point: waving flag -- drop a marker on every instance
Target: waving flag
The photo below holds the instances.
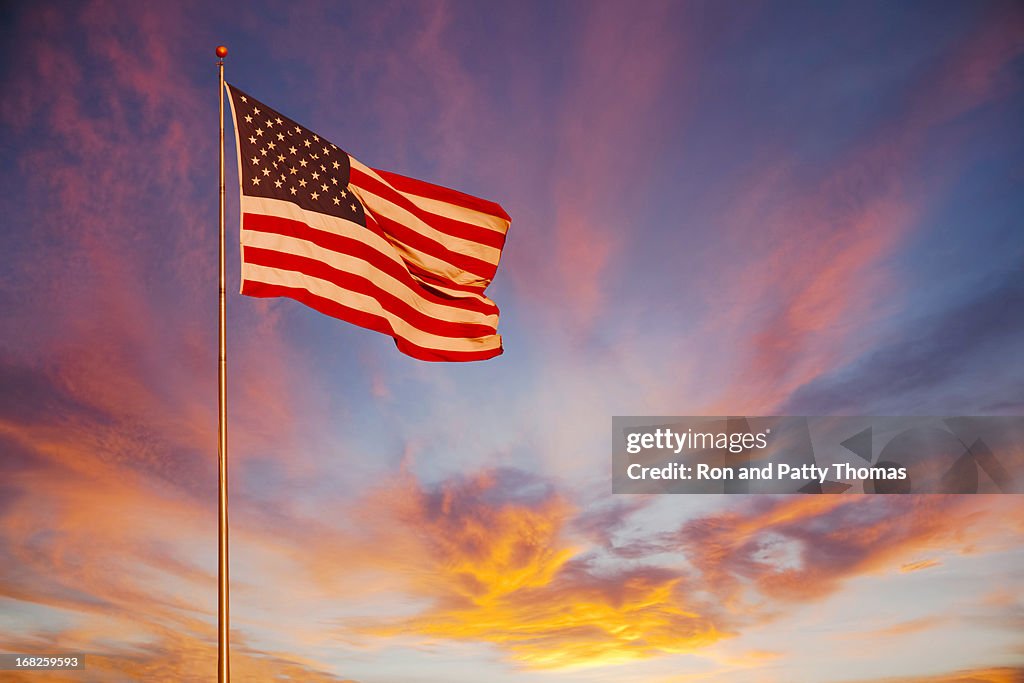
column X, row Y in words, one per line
column 400, row 256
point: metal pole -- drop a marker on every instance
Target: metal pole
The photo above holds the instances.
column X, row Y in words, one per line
column 223, row 620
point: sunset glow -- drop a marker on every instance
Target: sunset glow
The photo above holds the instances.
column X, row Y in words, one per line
column 718, row 208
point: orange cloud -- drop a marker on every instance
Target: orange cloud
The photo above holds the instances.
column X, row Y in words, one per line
column 913, row 626
column 171, row 656
column 499, row 568
column 988, row 675
column 100, row 542
column 919, row 565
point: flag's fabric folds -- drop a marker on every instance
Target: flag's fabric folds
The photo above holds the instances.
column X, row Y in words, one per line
column 400, row 256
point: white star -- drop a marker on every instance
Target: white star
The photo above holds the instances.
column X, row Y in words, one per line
column 255, row 160
column 259, row 131
column 336, row 165
column 292, row 150
column 302, row 182
column 279, row 121
column 302, row 163
column 297, row 129
column 316, row 138
column 337, row 201
column 307, row 143
column 315, row 196
column 334, row 181
column 263, row 151
column 324, row 187
column 255, row 181
column 255, row 110
column 323, row 168
column 326, row 151
column 280, row 136
column 271, row 145
column 353, row 207
column 344, row 193
column 315, row 156
column 244, row 98
column 316, row 176
column 293, row 190
column 280, row 157
column 270, row 123
column 252, row 139
column 248, row 119
column 277, row 183
column 294, row 170
column 266, row 171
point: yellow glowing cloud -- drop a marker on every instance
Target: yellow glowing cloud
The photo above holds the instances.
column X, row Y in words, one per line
column 503, row 572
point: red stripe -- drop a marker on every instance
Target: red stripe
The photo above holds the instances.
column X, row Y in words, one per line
column 355, row 248
column 365, row 320
column 362, row 285
column 449, row 226
column 444, row 194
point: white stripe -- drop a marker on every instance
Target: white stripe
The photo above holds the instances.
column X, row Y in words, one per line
column 385, row 207
column 399, row 253
column 357, row 266
column 366, row 304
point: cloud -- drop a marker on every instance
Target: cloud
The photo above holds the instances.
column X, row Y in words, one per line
column 803, row 549
column 602, row 155
column 499, row 567
column 986, row 675
column 820, row 278
column 933, row 354
column 495, row 556
column 919, row 565
column 499, row 560
column 170, row 656
column 908, row 627
column 99, row 551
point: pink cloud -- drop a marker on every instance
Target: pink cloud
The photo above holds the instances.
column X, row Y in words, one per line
column 601, row 145
column 819, row 280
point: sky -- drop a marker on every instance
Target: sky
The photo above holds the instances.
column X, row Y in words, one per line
column 718, row 208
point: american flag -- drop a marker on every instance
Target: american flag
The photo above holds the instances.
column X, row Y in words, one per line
column 400, row 256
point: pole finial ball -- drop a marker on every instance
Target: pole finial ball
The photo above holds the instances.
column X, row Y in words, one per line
column 222, row 51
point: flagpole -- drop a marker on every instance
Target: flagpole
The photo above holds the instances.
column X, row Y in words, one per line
column 223, row 620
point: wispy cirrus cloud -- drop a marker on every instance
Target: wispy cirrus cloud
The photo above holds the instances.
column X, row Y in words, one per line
column 821, row 279
column 600, row 155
